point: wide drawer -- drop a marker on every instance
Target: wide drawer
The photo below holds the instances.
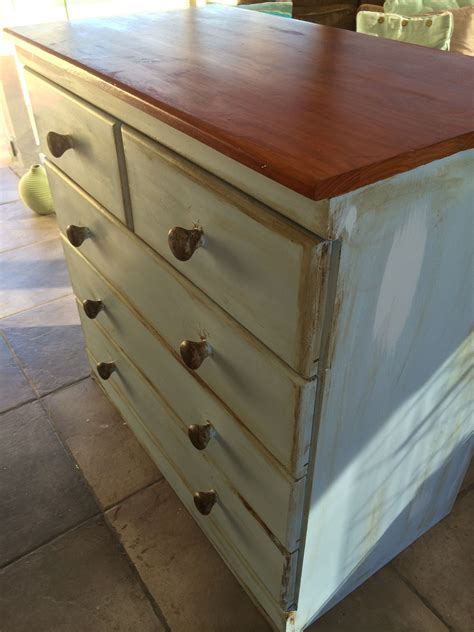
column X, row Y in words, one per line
column 229, row 520
column 264, row 270
column 248, row 467
column 95, row 159
column 271, row 400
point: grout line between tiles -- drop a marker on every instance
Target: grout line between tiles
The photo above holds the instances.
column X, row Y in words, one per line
column 49, row 541
column 137, row 491
column 31, row 307
column 33, row 243
column 154, row 604
column 422, row 598
column 21, row 367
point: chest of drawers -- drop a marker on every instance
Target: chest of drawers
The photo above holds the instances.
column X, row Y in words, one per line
column 274, row 320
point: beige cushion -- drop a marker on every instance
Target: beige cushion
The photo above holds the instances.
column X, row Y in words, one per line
column 462, row 39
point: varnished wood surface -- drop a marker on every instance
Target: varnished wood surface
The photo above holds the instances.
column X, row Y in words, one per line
column 320, row 110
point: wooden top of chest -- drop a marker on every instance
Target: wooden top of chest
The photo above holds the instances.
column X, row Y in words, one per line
column 320, row 110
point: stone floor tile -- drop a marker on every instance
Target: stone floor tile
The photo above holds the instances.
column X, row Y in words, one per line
column 49, row 343
column 384, row 603
column 41, row 491
column 440, row 566
column 191, row 584
column 111, row 459
column 32, row 275
column 8, row 185
column 14, row 387
column 80, row 581
column 19, row 226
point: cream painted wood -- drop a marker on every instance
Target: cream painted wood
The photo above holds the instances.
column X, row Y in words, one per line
column 236, row 563
column 273, row 402
column 229, row 516
column 265, row 271
column 398, row 384
column 307, row 213
column 95, row 160
column 247, row 466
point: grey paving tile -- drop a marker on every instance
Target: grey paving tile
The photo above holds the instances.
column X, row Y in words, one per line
column 384, row 603
column 49, row 343
column 8, row 185
column 80, row 581
column 193, row 587
column 19, row 226
column 111, row 459
column 32, row 275
column 14, row 387
column 440, row 565
column 41, row 491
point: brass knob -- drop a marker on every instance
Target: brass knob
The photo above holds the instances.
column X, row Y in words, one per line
column 205, row 501
column 92, row 308
column 59, row 143
column 201, row 435
column 105, row 369
column 194, row 353
column 77, row 234
column 183, row 243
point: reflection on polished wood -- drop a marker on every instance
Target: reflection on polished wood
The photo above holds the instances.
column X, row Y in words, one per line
column 320, row 110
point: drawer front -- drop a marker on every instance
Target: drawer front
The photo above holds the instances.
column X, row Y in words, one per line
column 229, row 517
column 262, row 269
column 93, row 159
column 247, row 467
column 273, row 402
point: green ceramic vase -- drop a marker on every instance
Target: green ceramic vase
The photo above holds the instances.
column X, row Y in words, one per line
column 35, row 192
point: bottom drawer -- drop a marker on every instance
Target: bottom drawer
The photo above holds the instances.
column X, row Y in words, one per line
column 236, row 533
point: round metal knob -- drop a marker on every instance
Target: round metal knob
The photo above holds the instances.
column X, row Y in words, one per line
column 183, row 243
column 205, row 501
column 77, row 234
column 105, row 369
column 194, row 353
column 59, row 143
column 201, row 435
column 92, row 308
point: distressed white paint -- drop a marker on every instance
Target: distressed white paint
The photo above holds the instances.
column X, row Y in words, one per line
column 265, row 271
column 95, row 161
column 268, row 397
column 395, row 433
column 243, row 462
column 229, row 521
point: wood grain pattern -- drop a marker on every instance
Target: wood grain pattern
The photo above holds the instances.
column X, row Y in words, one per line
column 322, row 111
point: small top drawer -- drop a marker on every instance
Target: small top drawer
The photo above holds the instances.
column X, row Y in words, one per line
column 81, row 140
column 265, row 271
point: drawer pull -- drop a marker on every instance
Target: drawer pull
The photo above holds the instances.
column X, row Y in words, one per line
column 201, row 435
column 92, row 308
column 205, row 501
column 194, row 353
column 105, row 369
column 58, row 144
column 77, row 234
column 183, row 243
